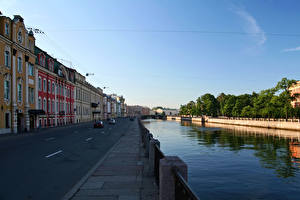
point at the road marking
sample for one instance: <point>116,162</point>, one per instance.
<point>88,139</point>
<point>102,132</point>
<point>52,154</point>
<point>48,139</point>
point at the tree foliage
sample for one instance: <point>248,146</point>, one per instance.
<point>270,103</point>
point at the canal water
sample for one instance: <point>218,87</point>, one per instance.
<point>231,162</point>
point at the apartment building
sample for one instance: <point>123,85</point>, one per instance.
<point>88,100</point>
<point>17,75</point>
<point>55,91</point>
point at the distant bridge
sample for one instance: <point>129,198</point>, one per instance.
<point>153,117</point>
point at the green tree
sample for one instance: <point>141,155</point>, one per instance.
<point>229,103</point>
<point>241,102</point>
<point>247,111</point>
<point>263,106</point>
<point>210,105</point>
<point>221,100</point>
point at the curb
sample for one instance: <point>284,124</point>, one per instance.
<point>77,186</point>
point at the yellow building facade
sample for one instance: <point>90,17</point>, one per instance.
<point>17,76</point>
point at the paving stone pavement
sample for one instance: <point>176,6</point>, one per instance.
<point>123,175</point>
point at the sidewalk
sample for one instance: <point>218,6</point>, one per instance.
<point>123,174</point>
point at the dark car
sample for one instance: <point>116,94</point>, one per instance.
<point>98,124</point>
<point>131,118</point>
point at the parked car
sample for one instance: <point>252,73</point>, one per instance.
<point>98,124</point>
<point>131,118</point>
<point>112,121</point>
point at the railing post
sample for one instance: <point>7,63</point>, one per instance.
<point>166,176</point>
<point>153,142</point>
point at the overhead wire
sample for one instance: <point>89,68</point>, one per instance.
<point>176,31</point>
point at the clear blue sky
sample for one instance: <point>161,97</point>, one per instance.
<point>170,68</point>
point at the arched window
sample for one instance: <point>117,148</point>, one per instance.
<point>49,86</point>
<point>20,37</point>
<point>20,64</point>
<point>41,58</point>
<point>49,106</point>
<point>6,87</point>
<point>40,83</point>
<point>53,88</point>
<point>45,105</point>
<point>45,85</point>
<point>40,103</point>
<point>30,69</point>
<point>53,106</point>
<point>6,28</point>
<point>7,58</point>
<point>19,92</point>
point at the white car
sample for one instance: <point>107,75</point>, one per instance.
<point>112,121</point>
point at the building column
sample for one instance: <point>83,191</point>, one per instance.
<point>14,89</point>
<point>26,95</point>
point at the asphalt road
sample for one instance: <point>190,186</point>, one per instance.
<point>46,165</point>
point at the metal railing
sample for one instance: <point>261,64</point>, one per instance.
<point>182,189</point>
<point>157,156</point>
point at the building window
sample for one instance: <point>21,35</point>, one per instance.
<point>40,84</point>
<point>7,120</point>
<point>49,106</point>
<point>41,59</point>
<point>30,69</point>
<point>45,85</point>
<point>53,87</point>
<point>53,106</point>
<point>6,89</point>
<point>19,92</point>
<point>50,65</point>
<point>57,109</point>
<point>40,103</point>
<point>31,95</point>
<point>20,64</point>
<point>6,28</point>
<point>7,58</point>
<point>20,36</point>
<point>45,105</point>
<point>49,86</point>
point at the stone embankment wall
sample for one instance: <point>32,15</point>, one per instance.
<point>257,123</point>
<point>262,123</point>
<point>174,118</point>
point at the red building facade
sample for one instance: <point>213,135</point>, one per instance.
<point>55,91</point>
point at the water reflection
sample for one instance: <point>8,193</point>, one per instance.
<point>234,162</point>
<point>295,153</point>
<point>274,148</point>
